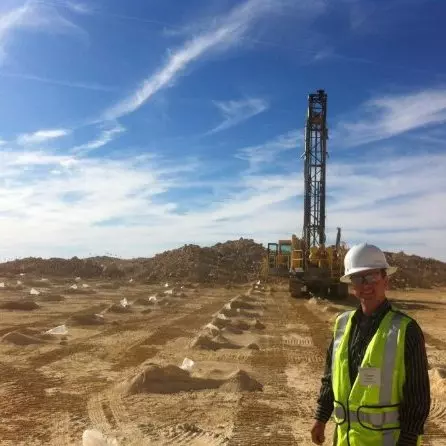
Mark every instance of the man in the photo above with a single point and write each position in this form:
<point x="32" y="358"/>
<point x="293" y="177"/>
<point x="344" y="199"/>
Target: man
<point x="376" y="381"/>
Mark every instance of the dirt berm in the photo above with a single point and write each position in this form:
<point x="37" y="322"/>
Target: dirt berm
<point x="236" y="261"/>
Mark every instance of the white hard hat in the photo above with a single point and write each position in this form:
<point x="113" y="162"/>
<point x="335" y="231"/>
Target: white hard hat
<point x="364" y="257"/>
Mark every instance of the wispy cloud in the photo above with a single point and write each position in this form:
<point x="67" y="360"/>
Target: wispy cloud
<point x="267" y="153"/>
<point x="62" y="83"/>
<point x="41" y="136"/>
<point x="108" y="133"/>
<point x="79" y="8"/>
<point x="392" y="115"/>
<point x="132" y="205"/>
<point x="226" y="32"/>
<point x="33" y="16"/>
<point x="235" y="112"/>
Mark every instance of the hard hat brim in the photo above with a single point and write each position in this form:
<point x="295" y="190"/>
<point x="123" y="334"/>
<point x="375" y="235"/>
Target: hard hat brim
<point x="346" y="279"/>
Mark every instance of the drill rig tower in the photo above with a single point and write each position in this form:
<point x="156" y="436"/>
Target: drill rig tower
<point x="316" y="136"/>
<point x="308" y="262"/>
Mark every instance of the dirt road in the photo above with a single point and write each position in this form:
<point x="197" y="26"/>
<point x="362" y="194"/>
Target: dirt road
<point x="54" y="388"/>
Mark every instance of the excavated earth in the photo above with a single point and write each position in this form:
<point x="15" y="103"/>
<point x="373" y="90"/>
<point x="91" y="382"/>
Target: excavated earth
<point x="172" y="361"/>
<point x="235" y="261"/>
<point x="200" y="366"/>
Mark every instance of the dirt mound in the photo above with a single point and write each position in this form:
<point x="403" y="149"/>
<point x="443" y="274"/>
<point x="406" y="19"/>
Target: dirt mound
<point x="40" y="267"/>
<point x="242" y="325"/>
<point x="221" y="322"/>
<point x="229" y="312"/>
<point x="240" y="381"/>
<point x="416" y="272"/>
<point x="17" y="338"/>
<point x="258" y="325"/>
<point x="23" y="305"/>
<point x="142" y="301"/>
<point x="51" y="298"/>
<point x="168" y="379"/>
<point x="230" y="262"/>
<point x="241" y="303"/>
<point x="118" y="308"/>
<point x="173" y="379"/>
<point x="215" y="343"/>
<point x="86" y="319"/>
<point x="235" y="261"/>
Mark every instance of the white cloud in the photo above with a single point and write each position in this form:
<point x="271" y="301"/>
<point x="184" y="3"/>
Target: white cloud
<point x="108" y="134"/>
<point x="392" y="115"/>
<point x="41" y="136"/>
<point x="223" y="33"/>
<point x="265" y="154"/>
<point x="235" y="112"/>
<point x="33" y="16"/>
<point x="79" y="8"/>
<point x="396" y="203"/>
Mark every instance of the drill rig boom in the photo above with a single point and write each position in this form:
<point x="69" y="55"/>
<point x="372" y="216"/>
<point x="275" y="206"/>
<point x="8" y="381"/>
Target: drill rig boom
<point x="308" y="262"/>
<point x="315" y="170"/>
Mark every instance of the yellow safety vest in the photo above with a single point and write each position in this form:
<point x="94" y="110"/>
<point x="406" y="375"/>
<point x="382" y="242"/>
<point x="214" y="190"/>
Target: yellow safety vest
<point x="367" y="412"/>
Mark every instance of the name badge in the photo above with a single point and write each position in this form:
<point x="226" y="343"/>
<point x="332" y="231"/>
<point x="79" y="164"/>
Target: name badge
<point x="369" y="376"/>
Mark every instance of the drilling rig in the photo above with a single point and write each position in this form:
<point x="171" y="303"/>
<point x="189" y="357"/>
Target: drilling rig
<point x="310" y="265"/>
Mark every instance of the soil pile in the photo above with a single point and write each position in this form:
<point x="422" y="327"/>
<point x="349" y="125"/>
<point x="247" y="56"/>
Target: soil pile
<point x="23" y="305"/>
<point x="235" y="261"/>
<point x="240" y="381"/>
<point x="118" y="308"/>
<point x="173" y="379"/>
<point x="168" y="379"/>
<point x="53" y="267"/>
<point x="212" y="343"/>
<point x="230" y="262"/>
<point x="86" y="319"/>
<point x="415" y="271"/>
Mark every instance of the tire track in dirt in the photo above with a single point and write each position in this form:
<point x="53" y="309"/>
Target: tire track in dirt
<point x="96" y="414"/>
<point x="185" y="434"/>
<point x="28" y="389"/>
<point x="112" y="400"/>
<point x="262" y="416"/>
<point x="436" y="421"/>
<point x="61" y="430"/>
<point x="296" y="340"/>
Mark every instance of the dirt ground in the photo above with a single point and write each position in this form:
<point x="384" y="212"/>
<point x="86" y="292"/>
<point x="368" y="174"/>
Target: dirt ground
<point x="257" y="359"/>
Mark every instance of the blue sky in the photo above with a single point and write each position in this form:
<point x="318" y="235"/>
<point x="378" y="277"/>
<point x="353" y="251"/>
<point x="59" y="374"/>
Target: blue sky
<point x="131" y="127"/>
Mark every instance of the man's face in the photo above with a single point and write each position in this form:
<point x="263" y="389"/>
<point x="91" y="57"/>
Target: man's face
<point x="370" y="285"/>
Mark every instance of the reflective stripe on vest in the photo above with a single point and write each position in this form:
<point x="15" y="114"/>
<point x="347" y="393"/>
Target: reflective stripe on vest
<point x="377" y="420"/>
<point x="388" y="415"/>
<point x="340" y="329"/>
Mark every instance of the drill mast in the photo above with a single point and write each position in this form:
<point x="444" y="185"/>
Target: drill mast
<point x="316" y="136"/>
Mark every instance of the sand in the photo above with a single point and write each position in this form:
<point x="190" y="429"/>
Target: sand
<point x="121" y="373"/>
<point x="173" y="379"/>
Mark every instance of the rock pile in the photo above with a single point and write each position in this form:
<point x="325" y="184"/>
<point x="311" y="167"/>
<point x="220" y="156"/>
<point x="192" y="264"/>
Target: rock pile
<point x="416" y="272"/>
<point x="230" y="262"/>
<point x="53" y="267"/>
<point x="236" y="261"/>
